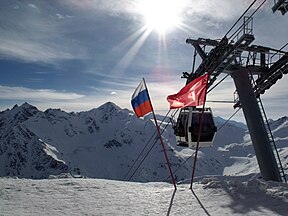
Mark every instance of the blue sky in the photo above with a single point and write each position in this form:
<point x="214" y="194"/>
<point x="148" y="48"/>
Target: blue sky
<point x="76" y="55"/>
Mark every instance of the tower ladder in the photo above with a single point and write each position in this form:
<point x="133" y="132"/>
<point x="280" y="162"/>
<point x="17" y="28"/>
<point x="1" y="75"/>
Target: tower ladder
<point x="271" y="140"/>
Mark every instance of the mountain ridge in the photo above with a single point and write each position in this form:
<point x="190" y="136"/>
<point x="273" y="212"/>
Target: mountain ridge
<point x="106" y="141"/>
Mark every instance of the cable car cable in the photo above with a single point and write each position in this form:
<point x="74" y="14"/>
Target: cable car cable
<point x="181" y="165"/>
<point x="240" y="17"/>
<point x="215" y="101"/>
<point x="143" y="159"/>
<point x="208" y="91"/>
<point x="140" y="154"/>
<point x="229" y="119"/>
<point x="142" y="151"/>
<point x="151" y="147"/>
<point x="135" y="161"/>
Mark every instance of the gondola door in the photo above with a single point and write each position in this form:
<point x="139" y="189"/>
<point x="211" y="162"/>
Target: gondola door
<point x="208" y="130"/>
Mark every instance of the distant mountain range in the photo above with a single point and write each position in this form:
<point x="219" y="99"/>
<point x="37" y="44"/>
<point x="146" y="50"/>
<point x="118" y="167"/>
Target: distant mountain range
<point x="106" y="142"/>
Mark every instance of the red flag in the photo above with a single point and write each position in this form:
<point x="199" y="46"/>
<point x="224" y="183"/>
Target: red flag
<point x="193" y="94"/>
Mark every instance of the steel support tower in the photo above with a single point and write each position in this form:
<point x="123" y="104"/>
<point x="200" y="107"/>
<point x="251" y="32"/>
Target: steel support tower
<point x="234" y="55"/>
<point x="259" y="137"/>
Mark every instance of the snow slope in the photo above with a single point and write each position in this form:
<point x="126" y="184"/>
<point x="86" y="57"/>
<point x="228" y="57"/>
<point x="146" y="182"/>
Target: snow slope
<point x="210" y="196"/>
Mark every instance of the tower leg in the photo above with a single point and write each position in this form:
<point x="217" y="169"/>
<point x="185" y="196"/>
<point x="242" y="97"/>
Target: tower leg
<point x="254" y="120"/>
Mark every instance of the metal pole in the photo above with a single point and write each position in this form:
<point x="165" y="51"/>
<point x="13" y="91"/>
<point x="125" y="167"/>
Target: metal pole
<point x="199" y="136"/>
<point x="254" y="120"/>
<point x="197" y="148"/>
<point x="161" y="140"/>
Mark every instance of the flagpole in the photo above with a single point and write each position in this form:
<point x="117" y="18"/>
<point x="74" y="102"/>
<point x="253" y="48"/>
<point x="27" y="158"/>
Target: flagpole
<point x="198" y="138"/>
<point x="161" y="140"/>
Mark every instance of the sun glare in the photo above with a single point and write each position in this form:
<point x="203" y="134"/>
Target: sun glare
<point x="161" y="15"/>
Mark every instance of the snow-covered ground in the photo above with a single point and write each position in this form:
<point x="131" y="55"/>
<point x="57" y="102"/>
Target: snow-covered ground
<point x="210" y="196"/>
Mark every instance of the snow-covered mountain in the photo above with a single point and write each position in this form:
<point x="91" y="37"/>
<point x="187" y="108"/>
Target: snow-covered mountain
<point x="106" y="142"/>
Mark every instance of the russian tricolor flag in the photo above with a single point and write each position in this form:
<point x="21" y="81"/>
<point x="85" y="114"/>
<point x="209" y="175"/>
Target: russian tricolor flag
<point x="140" y="100"/>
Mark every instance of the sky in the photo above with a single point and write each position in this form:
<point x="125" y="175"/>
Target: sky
<point x="77" y="55"/>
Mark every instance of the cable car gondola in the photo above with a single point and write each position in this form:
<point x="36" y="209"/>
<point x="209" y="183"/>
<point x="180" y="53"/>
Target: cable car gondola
<point x="188" y="125"/>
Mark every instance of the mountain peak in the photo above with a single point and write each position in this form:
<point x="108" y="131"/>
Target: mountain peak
<point x="27" y="106"/>
<point x="24" y="106"/>
<point x="109" y="106"/>
<point x="23" y="112"/>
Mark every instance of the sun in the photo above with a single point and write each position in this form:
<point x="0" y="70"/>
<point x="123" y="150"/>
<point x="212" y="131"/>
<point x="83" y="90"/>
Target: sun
<point x="161" y="15"/>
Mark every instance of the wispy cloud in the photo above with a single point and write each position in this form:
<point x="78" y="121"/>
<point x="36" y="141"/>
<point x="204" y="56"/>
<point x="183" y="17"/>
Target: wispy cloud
<point x="32" y="6"/>
<point x="22" y="93"/>
<point x="32" y="51"/>
<point x="68" y="101"/>
<point x="113" y="7"/>
<point x="35" y="33"/>
<point x="221" y="11"/>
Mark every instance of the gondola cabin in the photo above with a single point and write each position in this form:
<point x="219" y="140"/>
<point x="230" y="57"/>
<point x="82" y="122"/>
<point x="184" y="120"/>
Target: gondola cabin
<point x="188" y="125"/>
